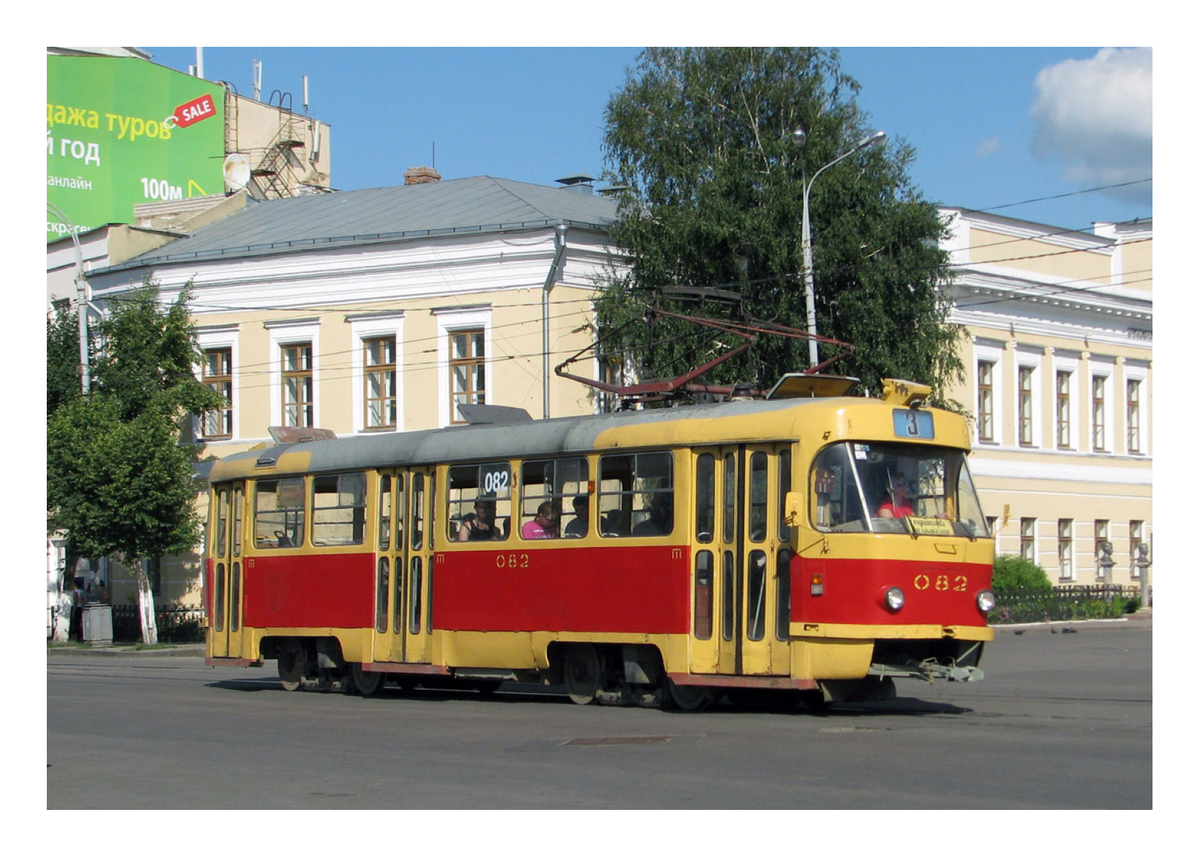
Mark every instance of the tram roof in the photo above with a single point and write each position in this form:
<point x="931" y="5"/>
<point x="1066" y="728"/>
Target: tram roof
<point x="673" y="426"/>
<point x="740" y="421"/>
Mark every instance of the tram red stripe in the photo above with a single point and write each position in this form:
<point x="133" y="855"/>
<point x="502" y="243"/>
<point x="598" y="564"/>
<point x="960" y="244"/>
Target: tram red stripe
<point x="598" y="590"/>
<point x="330" y="590"/>
<point x="935" y="592"/>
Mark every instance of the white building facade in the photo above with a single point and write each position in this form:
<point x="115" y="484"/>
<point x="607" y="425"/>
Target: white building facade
<point x="1060" y="385"/>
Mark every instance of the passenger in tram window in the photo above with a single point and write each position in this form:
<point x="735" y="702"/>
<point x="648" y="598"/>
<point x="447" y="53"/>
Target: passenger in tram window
<point x="578" y="527"/>
<point x="661" y="519"/>
<point x="543" y="525"/>
<point x="897" y="505"/>
<point x="483" y="526"/>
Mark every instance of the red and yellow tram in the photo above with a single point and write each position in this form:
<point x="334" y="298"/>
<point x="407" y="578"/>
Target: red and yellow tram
<point x="824" y="545"/>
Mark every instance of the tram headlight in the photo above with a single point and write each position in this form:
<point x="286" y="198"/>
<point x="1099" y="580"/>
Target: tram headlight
<point x="986" y="601"/>
<point x="893" y="599"/>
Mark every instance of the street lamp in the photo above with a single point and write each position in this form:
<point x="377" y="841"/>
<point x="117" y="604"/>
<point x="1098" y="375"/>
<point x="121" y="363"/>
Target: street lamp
<point x="81" y="301"/>
<point x="810" y="306"/>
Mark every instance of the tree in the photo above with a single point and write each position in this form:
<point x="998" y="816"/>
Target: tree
<point x="700" y="141"/>
<point x="118" y="479"/>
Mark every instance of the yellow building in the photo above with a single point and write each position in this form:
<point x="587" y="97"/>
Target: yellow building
<point x="1060" y="384"/>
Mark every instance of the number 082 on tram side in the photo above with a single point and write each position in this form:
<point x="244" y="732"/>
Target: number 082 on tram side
<point x="822" y="545"/>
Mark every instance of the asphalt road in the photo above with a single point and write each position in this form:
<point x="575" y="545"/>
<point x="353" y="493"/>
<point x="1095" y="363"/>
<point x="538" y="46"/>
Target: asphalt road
<point x="1062" y="720"/>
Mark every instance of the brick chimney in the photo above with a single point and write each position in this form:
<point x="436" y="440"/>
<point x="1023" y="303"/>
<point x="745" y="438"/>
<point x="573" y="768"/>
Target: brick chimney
<point x="420" y="175"/>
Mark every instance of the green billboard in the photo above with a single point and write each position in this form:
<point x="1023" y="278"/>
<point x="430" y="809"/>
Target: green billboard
<point x="122" y="131"/>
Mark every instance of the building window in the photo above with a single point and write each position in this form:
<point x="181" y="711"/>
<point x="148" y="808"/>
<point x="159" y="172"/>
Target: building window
<point x="379" y="382"/>
<point x="296" y="366"/>
<point x="1066" y="565"/>
<point x="1062" y="408"/>
<point x="1133" y="417"/>
<point x="467" y="371"/>
<point x="218" y="376"/>
<point x="612" y="372"/>
<point x="1025" y="404"/>
<point x="1029" y="539"/>
<point x="986" y="411"/>
<point x="1135" y="543"/>
<point x="1099" y="382"/>
<point x="1103" y="547"/>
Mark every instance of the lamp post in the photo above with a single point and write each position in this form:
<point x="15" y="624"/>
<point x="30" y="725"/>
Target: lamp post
<point x="810" y="306"/>
<point x="81" y="302"/>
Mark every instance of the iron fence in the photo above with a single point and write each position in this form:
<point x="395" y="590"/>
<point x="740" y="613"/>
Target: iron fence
<point x="1063" y="603"/>
<point x="176" y="624"/>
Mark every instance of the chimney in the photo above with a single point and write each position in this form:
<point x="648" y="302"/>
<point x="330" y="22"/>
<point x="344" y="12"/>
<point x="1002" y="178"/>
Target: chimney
<point x="421" y="175"/>
<point x="578" y="183"/>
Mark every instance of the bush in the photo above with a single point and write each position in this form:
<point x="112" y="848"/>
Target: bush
<point x="1012" y="572"/>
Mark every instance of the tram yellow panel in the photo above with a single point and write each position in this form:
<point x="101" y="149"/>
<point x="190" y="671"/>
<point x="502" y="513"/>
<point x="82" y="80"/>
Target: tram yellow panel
<point x="487" y="650"/>
<point x="885" y="631"/>
<point x="831" y="659"/>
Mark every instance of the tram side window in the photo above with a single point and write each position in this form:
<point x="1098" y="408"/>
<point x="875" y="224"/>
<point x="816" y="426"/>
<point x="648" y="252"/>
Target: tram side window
<point x="554" y="498"/>
<point x="339" y="509"/>
<point x="279" y="513"/>
<point x="637" y="494"/>
<point x="480" y="502"/>
<point x="705" y="498"/>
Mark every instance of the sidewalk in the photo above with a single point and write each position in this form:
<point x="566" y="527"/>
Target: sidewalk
<point x="128" y="650"/>
<point x="1141" y="617"/>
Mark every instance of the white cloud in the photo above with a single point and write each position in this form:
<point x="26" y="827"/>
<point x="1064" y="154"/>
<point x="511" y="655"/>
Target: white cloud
<point x="988" y="147"/>
<point x="1095" y="116"/>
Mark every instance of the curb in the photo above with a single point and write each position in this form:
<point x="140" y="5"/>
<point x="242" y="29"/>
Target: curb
<point x="129" y="651"/>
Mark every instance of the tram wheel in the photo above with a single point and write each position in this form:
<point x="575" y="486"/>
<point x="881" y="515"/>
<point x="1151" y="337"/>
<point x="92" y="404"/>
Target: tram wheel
<point x="582" y="674"/>
<point x="291" y="663"/>
<point x="366" y="683"/>
<point x="688" y="697"/>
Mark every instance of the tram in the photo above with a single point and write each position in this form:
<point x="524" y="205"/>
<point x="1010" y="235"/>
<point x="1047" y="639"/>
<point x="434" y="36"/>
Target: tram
<point x="822" y="545"/>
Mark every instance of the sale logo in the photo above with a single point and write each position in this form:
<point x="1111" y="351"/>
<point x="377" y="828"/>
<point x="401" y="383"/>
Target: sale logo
<point x="194" y="111"/>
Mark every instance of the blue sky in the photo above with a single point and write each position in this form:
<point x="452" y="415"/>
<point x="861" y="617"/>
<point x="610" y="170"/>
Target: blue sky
<point x="986" y="135"/>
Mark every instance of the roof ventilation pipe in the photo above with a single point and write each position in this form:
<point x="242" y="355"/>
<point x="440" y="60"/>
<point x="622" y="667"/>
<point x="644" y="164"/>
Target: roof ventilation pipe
<point x="554" y="275"/>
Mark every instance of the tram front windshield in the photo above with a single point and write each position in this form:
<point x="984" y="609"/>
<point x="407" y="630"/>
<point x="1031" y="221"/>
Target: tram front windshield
<point x="894" y="488"/>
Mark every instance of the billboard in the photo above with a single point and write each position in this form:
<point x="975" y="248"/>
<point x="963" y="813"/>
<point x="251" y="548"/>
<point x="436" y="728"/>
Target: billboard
<point x="122" y="131"/>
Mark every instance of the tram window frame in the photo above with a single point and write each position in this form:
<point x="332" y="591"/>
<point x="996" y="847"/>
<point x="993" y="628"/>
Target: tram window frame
<point x="759" y="497"/>
<point x="557" y="473"/>
<point x="344" y="522"/>
<point x="286" y="520"/>
<point x="706" y="497"/>
<point x="703" y="599"/>
<point x="469" y="484"/>
<point x="785" y="485"/>
<point x="386" y="500"/>
<point x="632" y="484"/>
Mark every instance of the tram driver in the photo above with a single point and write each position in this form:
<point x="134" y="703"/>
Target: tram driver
<point x="897" y="503"/>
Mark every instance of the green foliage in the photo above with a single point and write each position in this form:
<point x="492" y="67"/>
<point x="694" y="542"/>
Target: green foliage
<point x="62" y="359"/>
<point x="702" y="140"/>
<point x="117" y="478"/>
<point x="1010" y="573"/>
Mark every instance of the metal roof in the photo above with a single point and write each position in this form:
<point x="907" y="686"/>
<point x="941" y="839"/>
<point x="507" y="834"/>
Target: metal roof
<point x="571" y="434"/>
<point x="347" y="218"/>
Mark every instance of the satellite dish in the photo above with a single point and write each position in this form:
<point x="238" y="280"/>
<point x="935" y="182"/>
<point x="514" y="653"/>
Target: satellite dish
<point x="237" y="171"/>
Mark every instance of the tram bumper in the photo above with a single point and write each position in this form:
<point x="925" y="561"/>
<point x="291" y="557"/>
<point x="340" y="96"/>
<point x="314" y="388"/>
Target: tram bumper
<point x="944" y="659"/>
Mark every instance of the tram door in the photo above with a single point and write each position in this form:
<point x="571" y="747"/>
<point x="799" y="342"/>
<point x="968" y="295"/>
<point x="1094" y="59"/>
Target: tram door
<point x="751" y="568"/>
<point x="225" y="619"/>
<point x="418" y="579"/>
<point x="390" y="563"/>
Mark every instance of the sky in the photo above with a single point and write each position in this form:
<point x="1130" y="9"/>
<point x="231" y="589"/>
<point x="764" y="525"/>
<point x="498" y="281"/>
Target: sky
<point x="1059" y="136"/>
